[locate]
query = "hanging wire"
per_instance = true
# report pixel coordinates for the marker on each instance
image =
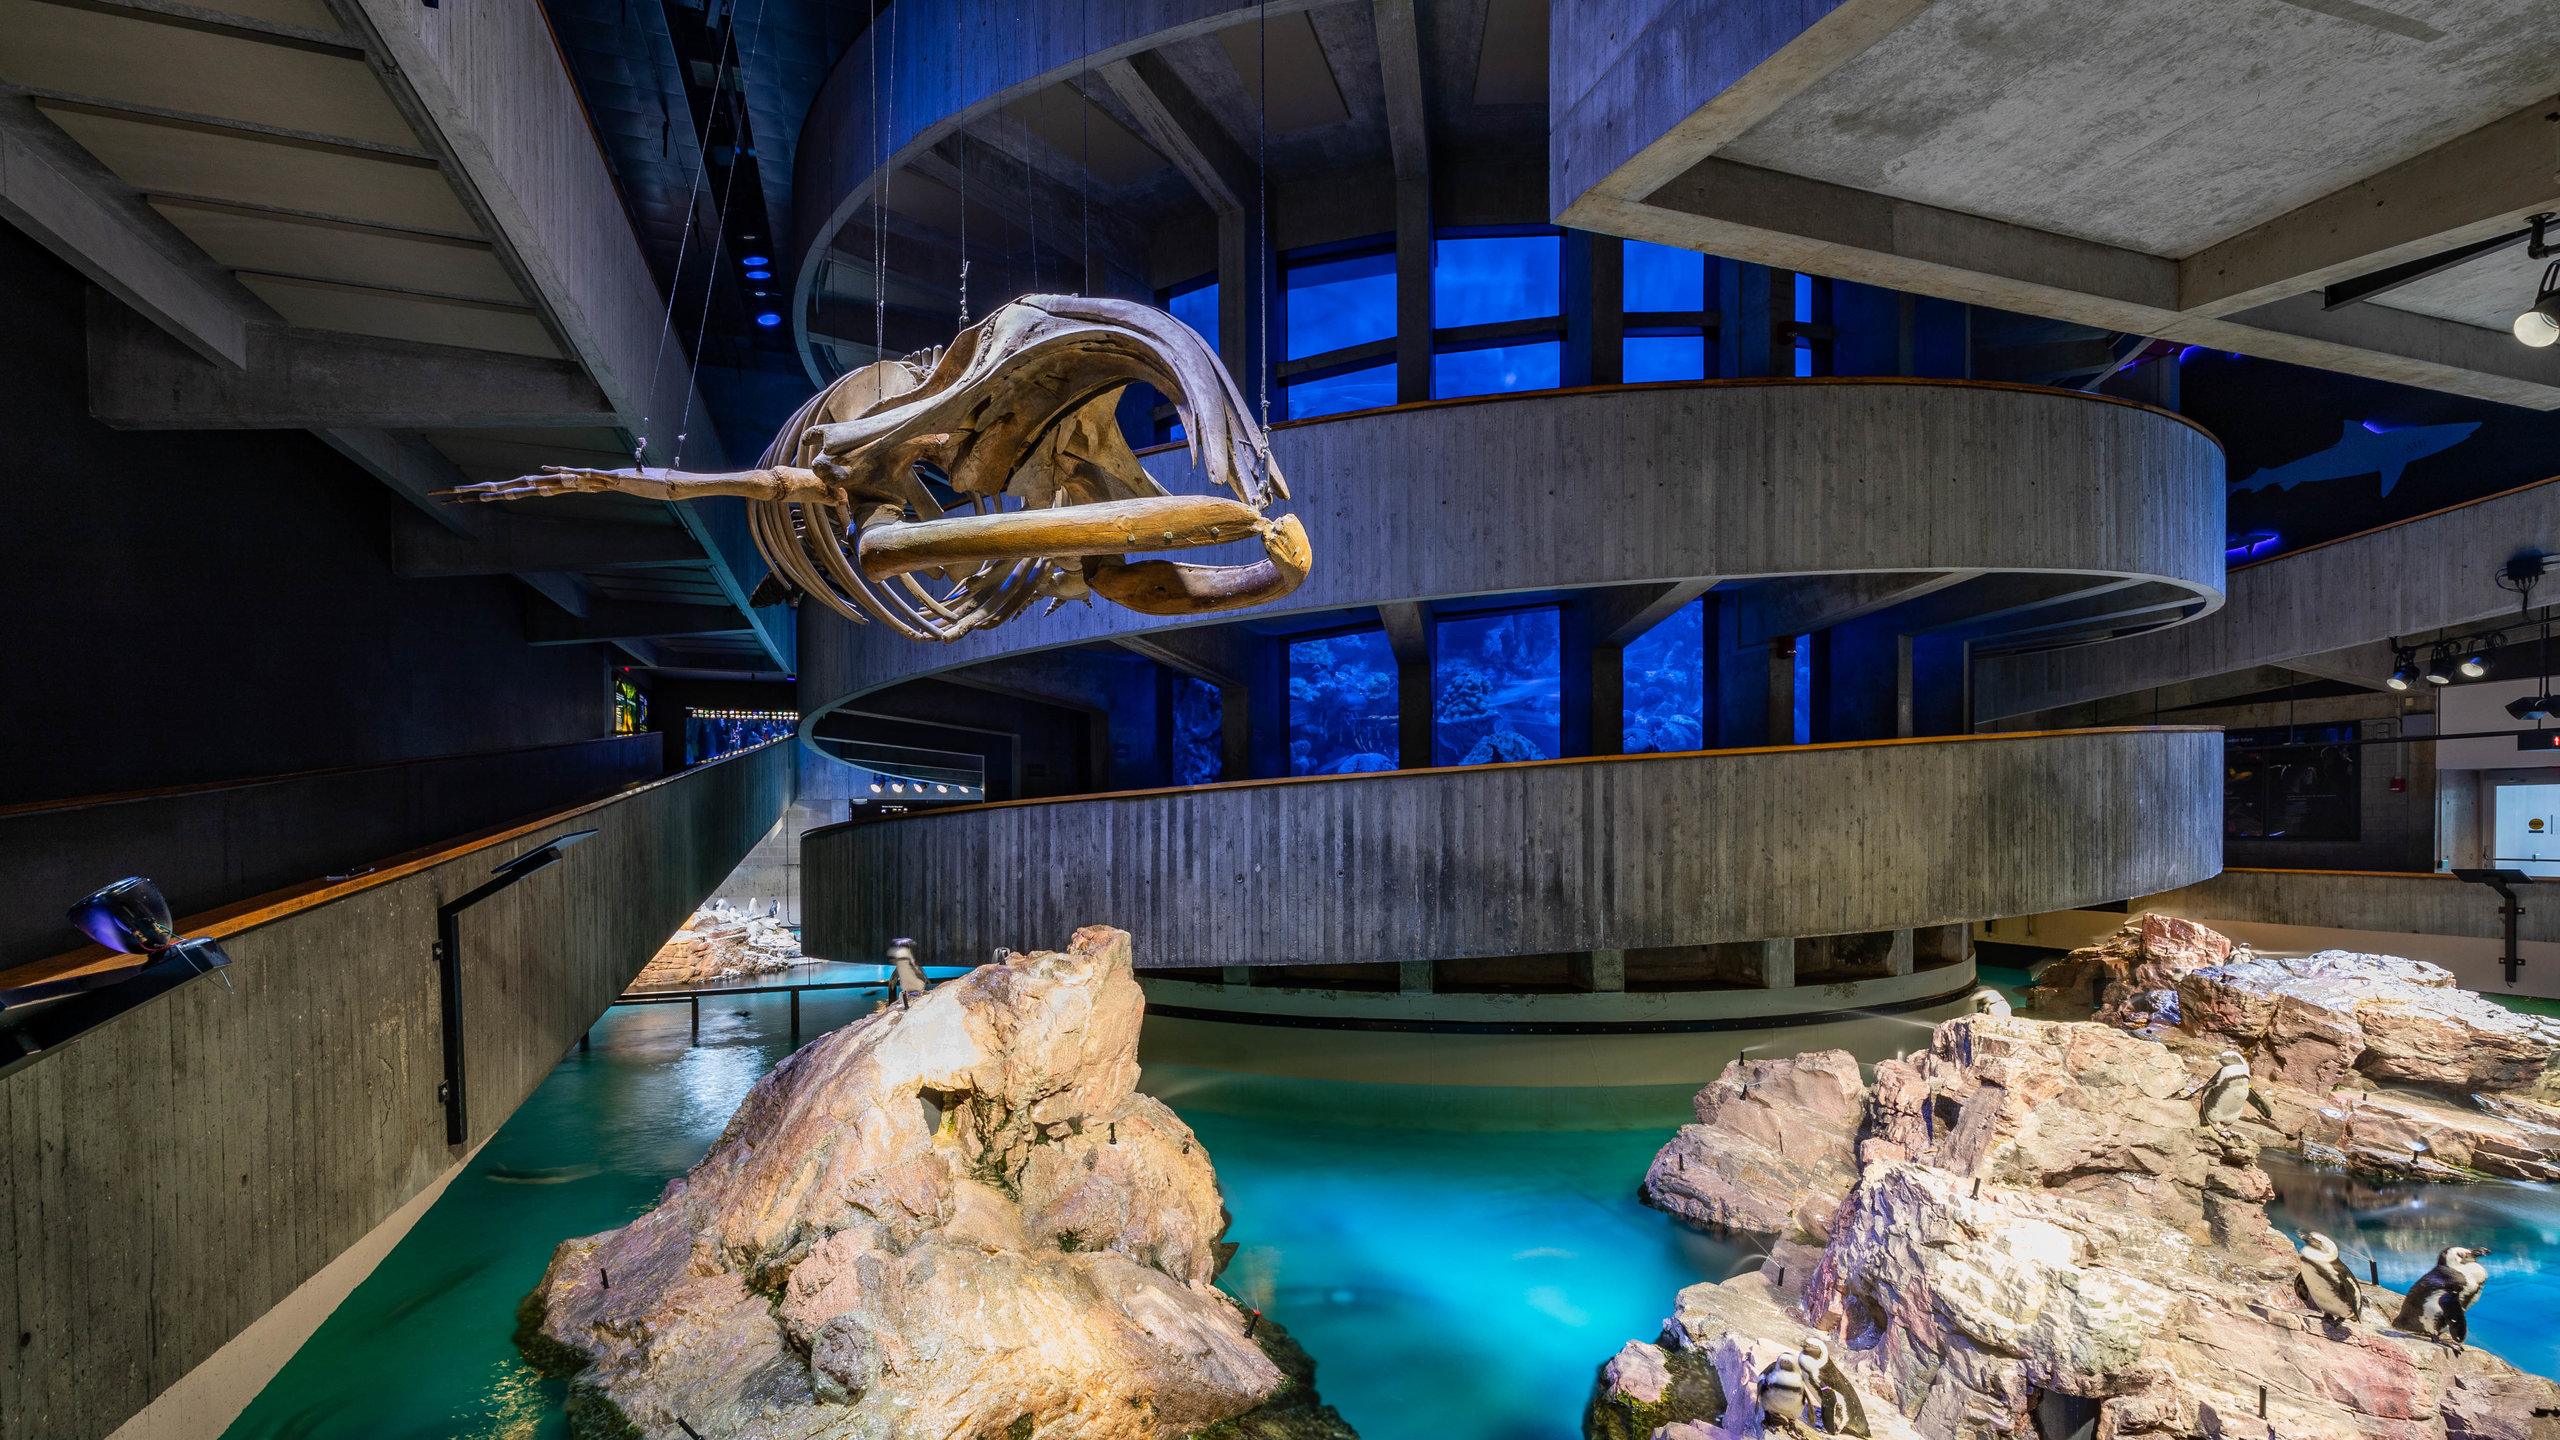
(879, 210)
(1030, 194)
(1084, 115)
(720, 216)
(960, 147)
(1262, 212)
(888, 177)
(675, 284)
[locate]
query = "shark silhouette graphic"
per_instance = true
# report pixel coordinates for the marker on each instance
(2361, 450)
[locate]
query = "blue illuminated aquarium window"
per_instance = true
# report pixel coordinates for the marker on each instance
(1498, 369)
(1485, 279)
(1663, 357)
(1196, 305)
(1199, 731)
(1334, 303)
(1665, 671)
(1661, 277)
(1497, 690)
(1342, 704)
(1334, 394)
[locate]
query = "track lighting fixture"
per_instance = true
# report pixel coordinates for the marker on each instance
(2440, 665)
(2404, 672)
(2539, 326)
(2475, 665)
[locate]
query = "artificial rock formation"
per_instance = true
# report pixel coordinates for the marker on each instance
(2039, 1236)
(955, 1219)
(2377, 1062)
(1774, 1141)
(720, 942)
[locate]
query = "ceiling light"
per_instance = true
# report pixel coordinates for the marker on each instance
(2476, 664)
(941, 789)
(767, 275)
(2540, 325)
(2529, 707)
(753, 260)
(2404, 673)
(768, 319)
(875, 785)
(2440, 665)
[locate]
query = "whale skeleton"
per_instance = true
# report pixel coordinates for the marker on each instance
(943, 493)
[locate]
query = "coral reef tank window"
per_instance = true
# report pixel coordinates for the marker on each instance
(1497, 688)
(1342, 704)
(1663, 301)
(1665, 671)
(1338, 297)
(1497, 369)
(1333, 394)
(1199, 731)
(1488, 279)
(2295, 784)
(710, 734)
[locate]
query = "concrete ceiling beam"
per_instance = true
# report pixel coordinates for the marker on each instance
(1400, 68)
(1221, 655)
(1408, 630)
(141, 378)
(73, 206)
(1620, 613)
(511, 544)
(2483, 184)
(2366, 666)
(616, 620)
(1179, 128)
(409, 468)
(1800, 605)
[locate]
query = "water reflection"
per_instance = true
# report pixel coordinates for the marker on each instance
(2397, 1228)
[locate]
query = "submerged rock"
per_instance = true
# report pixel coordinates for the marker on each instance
(955, 1219)
(2041, 1236)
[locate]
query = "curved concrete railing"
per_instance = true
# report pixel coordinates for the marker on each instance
(1726, 478)
(946, 64)
(1618, 852)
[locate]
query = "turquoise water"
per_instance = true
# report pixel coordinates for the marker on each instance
(1448, 1282)
(2400, 1227)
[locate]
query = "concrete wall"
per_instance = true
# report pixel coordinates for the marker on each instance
(1574, 855)
(189, 607)
(174, 1174)
(211, 845)
(2406, 579)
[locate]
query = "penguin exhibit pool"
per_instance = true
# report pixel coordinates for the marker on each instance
(1450, 1277)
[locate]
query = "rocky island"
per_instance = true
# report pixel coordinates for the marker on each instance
(954, 1219)
(720, 942)
(2023, 1230)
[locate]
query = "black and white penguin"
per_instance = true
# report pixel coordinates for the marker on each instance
(1783, 1392)
(2228, 1093)
(2435, 1305)
(1992, 1003)
(2325, 1282)
(908, 976)
(1842, 1412)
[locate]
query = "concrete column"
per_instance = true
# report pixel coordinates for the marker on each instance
(1778, 964)
(1235, 720)
(1782, 690)
(1413, 977)
(1413, 288)
(1608, 699)
(1898, 959)
(1601, 971)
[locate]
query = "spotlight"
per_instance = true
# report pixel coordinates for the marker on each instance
(2476, 664)
(941, 789)
(768, 319)
(2404, 673)
(752, 260)
(767, 275)
(897, 788)
(2440, 665)
(2529, 707)
(875, 785)
(2540, 325)
(130, 917)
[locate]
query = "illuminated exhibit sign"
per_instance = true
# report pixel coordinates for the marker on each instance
(2538, 739)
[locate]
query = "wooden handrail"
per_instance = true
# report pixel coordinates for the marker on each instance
(2368, 874)
(1423, 770)
(224, 921)
(1737, 383)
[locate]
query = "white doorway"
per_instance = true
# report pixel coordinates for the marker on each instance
(2528, 829)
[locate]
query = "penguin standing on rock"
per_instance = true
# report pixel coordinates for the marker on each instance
(2436, 1304)
(1992, 1003)
(1842, 1411)
(1783, 1391)
(2228, 1093)
(2325, 1283)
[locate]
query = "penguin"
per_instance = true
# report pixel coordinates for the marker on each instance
(2228, 1092)
(909, 975)
(1842, 1411)
(2435, 1305)
(2325, 1283)
(1992, 1003)
(1783, 1390)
